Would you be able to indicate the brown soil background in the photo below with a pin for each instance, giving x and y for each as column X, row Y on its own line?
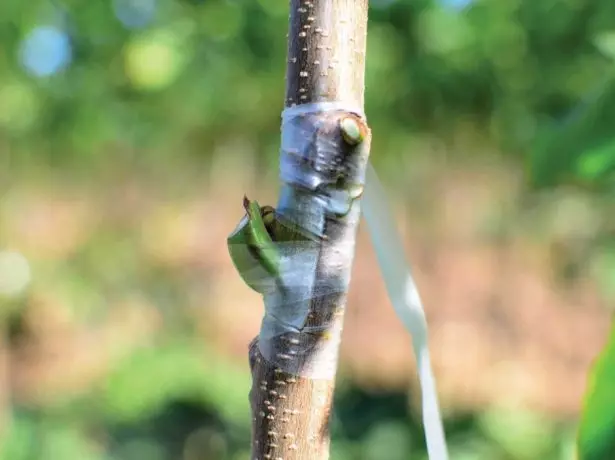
column 503, row 329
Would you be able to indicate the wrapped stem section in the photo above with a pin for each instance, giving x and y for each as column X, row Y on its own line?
column 324, row 154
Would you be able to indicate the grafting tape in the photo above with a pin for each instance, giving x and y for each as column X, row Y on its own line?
column 284, row 339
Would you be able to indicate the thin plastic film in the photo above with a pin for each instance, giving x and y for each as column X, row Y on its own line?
column 308, row 163
column 305, row 157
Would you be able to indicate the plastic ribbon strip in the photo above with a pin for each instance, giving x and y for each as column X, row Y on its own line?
column 407, row 303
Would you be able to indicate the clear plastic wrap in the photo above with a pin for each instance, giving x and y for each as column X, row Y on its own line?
column 310, row 166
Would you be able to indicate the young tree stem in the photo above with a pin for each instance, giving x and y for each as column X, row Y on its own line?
column 326, row 62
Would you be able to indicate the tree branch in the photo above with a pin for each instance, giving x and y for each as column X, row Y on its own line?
column 326, row 51
column 291, row 395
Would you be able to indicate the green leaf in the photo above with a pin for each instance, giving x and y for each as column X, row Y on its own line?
column 596, row 439
column 597, row 162
column 580, row 148
column 605, row 42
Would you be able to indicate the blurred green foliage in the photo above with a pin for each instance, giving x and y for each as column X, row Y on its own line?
column 597, row 429
column 156, row 88
column 201, row 71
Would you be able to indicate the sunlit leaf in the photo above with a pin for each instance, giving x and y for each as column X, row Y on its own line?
column 605, row 42
column 596, row 440
column 596, row 162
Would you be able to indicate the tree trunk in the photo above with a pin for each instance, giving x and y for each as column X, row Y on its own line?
column 291, row 409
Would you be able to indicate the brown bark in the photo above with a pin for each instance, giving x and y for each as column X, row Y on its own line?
column 326, row 51
column 326, row 62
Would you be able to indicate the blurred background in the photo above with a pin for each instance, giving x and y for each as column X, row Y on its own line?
column 129, row 132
